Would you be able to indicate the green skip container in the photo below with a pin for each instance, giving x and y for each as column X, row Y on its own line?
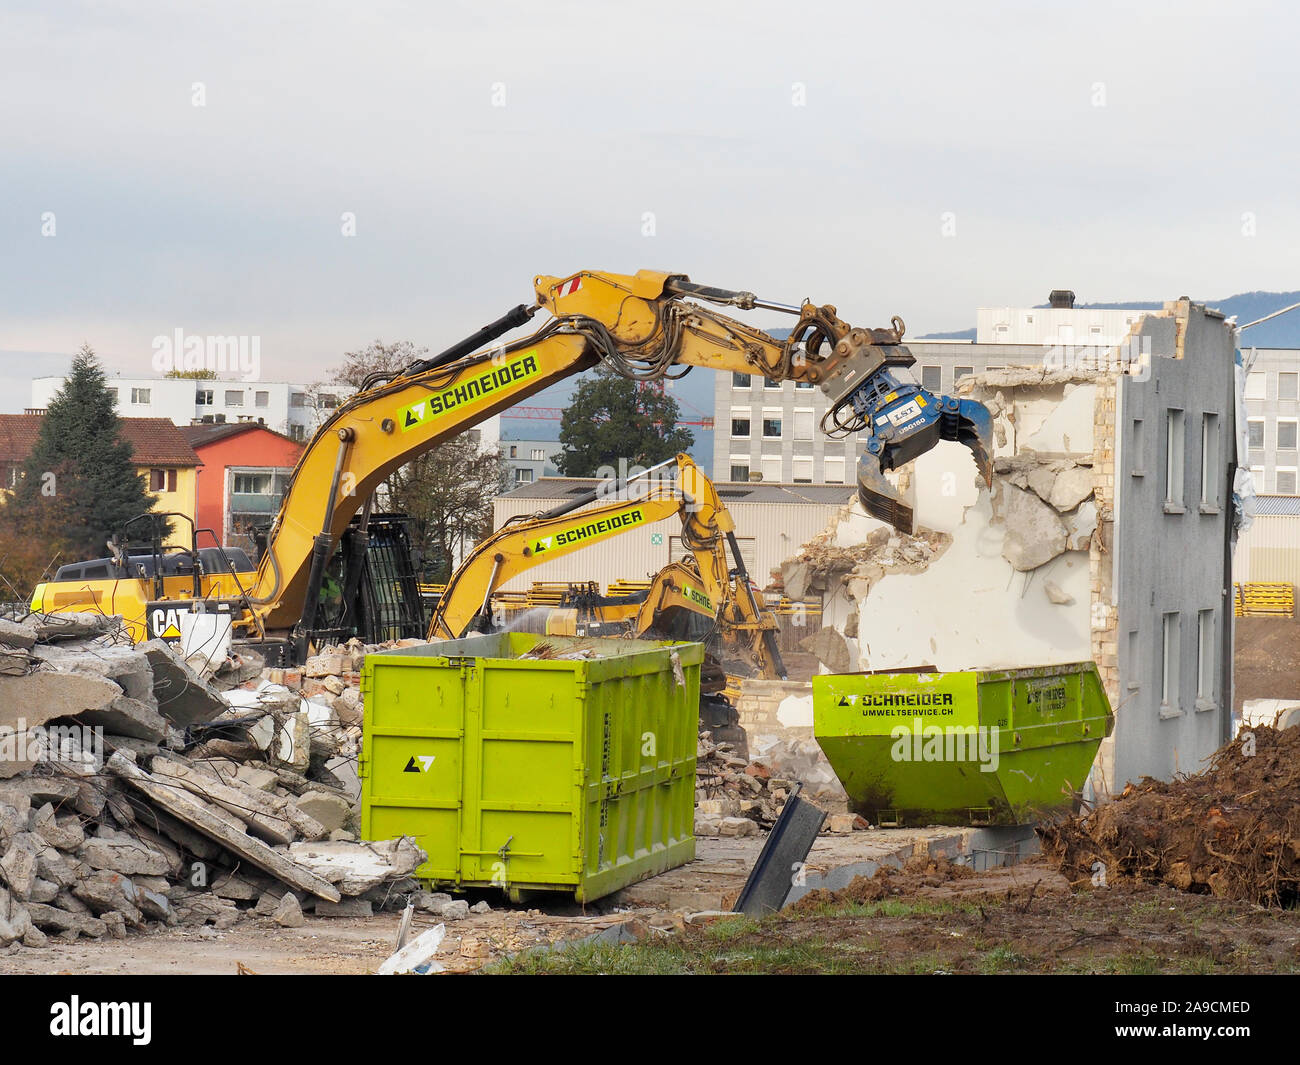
column 992, row 747
column 573, row 772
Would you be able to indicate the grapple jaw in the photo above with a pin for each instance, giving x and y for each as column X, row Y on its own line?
column 909, row 422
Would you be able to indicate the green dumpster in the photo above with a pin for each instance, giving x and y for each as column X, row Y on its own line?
column 992, row 747
column 573, row 771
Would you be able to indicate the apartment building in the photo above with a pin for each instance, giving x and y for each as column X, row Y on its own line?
column 294, row 410
column 1273, row 418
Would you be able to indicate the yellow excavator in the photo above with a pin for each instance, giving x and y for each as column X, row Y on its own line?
column 687, row 599
column 644, row 326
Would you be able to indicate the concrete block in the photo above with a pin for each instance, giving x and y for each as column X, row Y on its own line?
column 123, row 856
column 355, row 868
column 1034, row 533
column 287, row 913
column 1071, row 487
column 63, row 833
column 106, row 891
column 332, row 811
column 184, row 698
column 20, row 634
column 57, row 919
column 343, row 908
column 18, row 866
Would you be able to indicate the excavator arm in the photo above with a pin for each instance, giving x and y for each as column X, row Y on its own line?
column 706, row 585
column 644, row 326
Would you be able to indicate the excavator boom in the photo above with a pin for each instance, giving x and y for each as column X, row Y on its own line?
column 645, row 326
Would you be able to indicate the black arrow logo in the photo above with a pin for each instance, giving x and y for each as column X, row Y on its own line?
column 411, row 419
column 411, row 767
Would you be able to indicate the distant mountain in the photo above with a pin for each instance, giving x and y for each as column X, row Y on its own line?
column 1283, row 332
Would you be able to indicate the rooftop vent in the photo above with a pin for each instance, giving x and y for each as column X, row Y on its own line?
column 1061, row 299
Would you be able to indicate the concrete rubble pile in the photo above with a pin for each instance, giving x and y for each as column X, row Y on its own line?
column 135, row 793
column 736, row 797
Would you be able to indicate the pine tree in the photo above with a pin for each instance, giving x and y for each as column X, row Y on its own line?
column 610, row 417
column 82, row 464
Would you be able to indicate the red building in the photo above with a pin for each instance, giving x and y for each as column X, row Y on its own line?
column 242, row 481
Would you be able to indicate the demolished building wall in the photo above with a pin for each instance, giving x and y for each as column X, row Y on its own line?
column 1042, row 569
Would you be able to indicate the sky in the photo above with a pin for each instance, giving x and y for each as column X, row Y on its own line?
column 918, row 160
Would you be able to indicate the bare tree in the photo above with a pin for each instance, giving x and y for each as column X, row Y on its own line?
column 446, row 492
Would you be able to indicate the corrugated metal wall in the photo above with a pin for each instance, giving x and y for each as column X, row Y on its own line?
column 1269, row 550
column 768, row 533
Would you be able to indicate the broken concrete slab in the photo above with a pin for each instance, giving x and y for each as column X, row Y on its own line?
column 56, row 918
column 124, row 856
column 63, row 833
column 417, row 956
column 19, row 634
column 353, row 907
column 1071, row 487
column 329, row 810
column 195, row 814
column 1080, row 526
column 18, row 866
column 1034, row 533
column 261, row 823
column 35, row 698
column 184, row 698
column 355, row 868
column 126, row 666
column 77, row 626
column 109, row 892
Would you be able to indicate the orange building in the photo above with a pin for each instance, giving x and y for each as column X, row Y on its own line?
column 246, row 467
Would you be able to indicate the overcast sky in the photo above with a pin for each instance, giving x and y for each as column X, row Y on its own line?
column 797, row 150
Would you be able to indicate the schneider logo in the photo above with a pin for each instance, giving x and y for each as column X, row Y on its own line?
column 457, row 395
column 901, row 704
column 579, row 533
column 699, row 598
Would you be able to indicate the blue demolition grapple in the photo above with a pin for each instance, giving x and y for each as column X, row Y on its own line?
column 871, row 390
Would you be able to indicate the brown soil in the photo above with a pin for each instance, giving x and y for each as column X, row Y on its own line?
column 1232, row 831
column 1266, row 659
column 1026, row 919
column 916, row 874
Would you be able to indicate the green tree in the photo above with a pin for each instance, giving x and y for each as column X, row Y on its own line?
column 82, row 465
column 611, row 418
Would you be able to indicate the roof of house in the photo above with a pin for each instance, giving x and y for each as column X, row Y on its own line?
column 154, row 441
column 559, row 488
column 210, row 432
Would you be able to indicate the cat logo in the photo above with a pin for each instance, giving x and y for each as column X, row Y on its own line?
column 165, row 623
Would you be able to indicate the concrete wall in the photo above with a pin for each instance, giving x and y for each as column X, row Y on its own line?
column 1079, row 551
column 1169, row 559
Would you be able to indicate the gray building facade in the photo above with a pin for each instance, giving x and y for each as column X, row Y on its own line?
column 1273, row 418
column 1171, row 547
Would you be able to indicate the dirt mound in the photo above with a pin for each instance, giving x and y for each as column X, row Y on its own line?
column 888, row 882
column 1232, row 831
